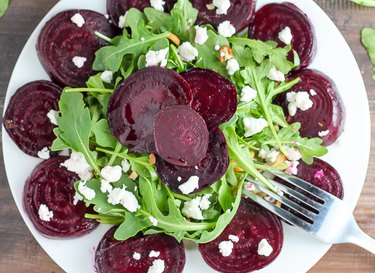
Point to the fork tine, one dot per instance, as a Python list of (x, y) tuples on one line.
[(308, 187)]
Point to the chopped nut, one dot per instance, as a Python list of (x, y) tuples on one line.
[(278, 204), (280, 160), (252, 154), (225, 53), (152, 159), (238, 170), (174, 39), (133, 175), (210, 6)]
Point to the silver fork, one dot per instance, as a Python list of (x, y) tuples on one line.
[(323, 215)]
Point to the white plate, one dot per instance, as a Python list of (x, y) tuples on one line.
[(300, 251)]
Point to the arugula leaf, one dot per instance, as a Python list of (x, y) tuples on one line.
[(130, 227), (3, 7), (103, 135), (184, 16), (159, 21), (368, 41), (367, 3)]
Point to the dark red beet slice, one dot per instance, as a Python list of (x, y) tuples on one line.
[(214, 96), (181, 136), (209, 170), (114, 256), (26, 118), (61, 40), (138, 99), (326, 117), (53, 186), (273, 18), (240, 13), (251, 224), (117, 8)]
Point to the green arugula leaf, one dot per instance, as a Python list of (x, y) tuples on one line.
[(368, 41), (3, 7), (159, 21), (103, 135), (131, 227), (184, 15), (367, 3)]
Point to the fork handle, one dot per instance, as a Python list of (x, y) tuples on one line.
[(358, 237)]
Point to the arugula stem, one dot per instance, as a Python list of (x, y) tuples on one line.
[(113, 157), (263, 167), (122, 155), (282, 88), (102, 36), (177, 195), (105, 219), (93, 90)]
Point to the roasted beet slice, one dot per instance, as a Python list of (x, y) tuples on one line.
[(252, 224), (239, 14), (181, 136), (61, 41), (271, 19), (52, 186), (326, 117), (214, 96), (133, 255), (209, 170), (138, 99), (26, 118), (117, 8)]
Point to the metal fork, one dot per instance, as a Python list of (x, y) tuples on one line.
[(323, 215)]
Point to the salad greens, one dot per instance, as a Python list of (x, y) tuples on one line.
[(83, 126), (368, 41), (367, 3), (3, 7)]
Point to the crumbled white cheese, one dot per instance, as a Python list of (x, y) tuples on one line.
[(122, 20), (192, 209), (233, 238), (136, 256), (44, 213), (105, 186), (292, 168), (222, 6), (201, 35), (190, 185), (226, 248), (76, 198), (157, 266), (78, 20), (158, 57), (179, 178), (226, 29), (123, 197), (286, 36), (157, 4), (79, 61), (52, 115), (111, 173), (232, 66), (248, 94), (299, 100), (276, 75), (107, 76), (87, 192), (253, 126), (154, 254), (269, 156), (65, 152), (217, 47), (106, 16), (187, 52), (312, 92), (143, 39), (205, 203), (153, 220), (44, 153), (293, 153), (321, 134), (264, 248), (78, 164), (125, 165)]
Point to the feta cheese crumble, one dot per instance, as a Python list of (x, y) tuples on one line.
[(179, 178), (52, 115), (293, 153), (44, 213), (226, 29), (158, 57), (125, 165), (205, 203), (126, 198), (286, 36), (78, 164), (105, 186), (157, 266), (269, 156), (323, 133), (107, 76), (44, 153), (298, 100), (248, 94), (193, 208), (136, 256), (154, 254), (264, 248), (187, 52), (222, 6), (122, 20), (201, 35), (233, 238), (157, 4), (292, 168), (79, 61), (78, 20), (312, 92), (276, 75), (87, 192), (254, 125), (153, 220), (76, 198), (111, 173), (190, 185), (232, 66), (226, 248)]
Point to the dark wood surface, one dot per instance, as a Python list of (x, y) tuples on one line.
[(19, 252)]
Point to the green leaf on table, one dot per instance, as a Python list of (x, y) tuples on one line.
[(368, 41), (366, 3), (3, 7)]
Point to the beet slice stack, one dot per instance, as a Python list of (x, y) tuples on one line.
[(251, 225), (61, 40), (52, 185), (133, 255), (273, 18), (26, 118), (326, 117)]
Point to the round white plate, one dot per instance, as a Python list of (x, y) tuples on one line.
[(300, 251)]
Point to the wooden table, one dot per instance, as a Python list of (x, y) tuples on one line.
[(19, 252)]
